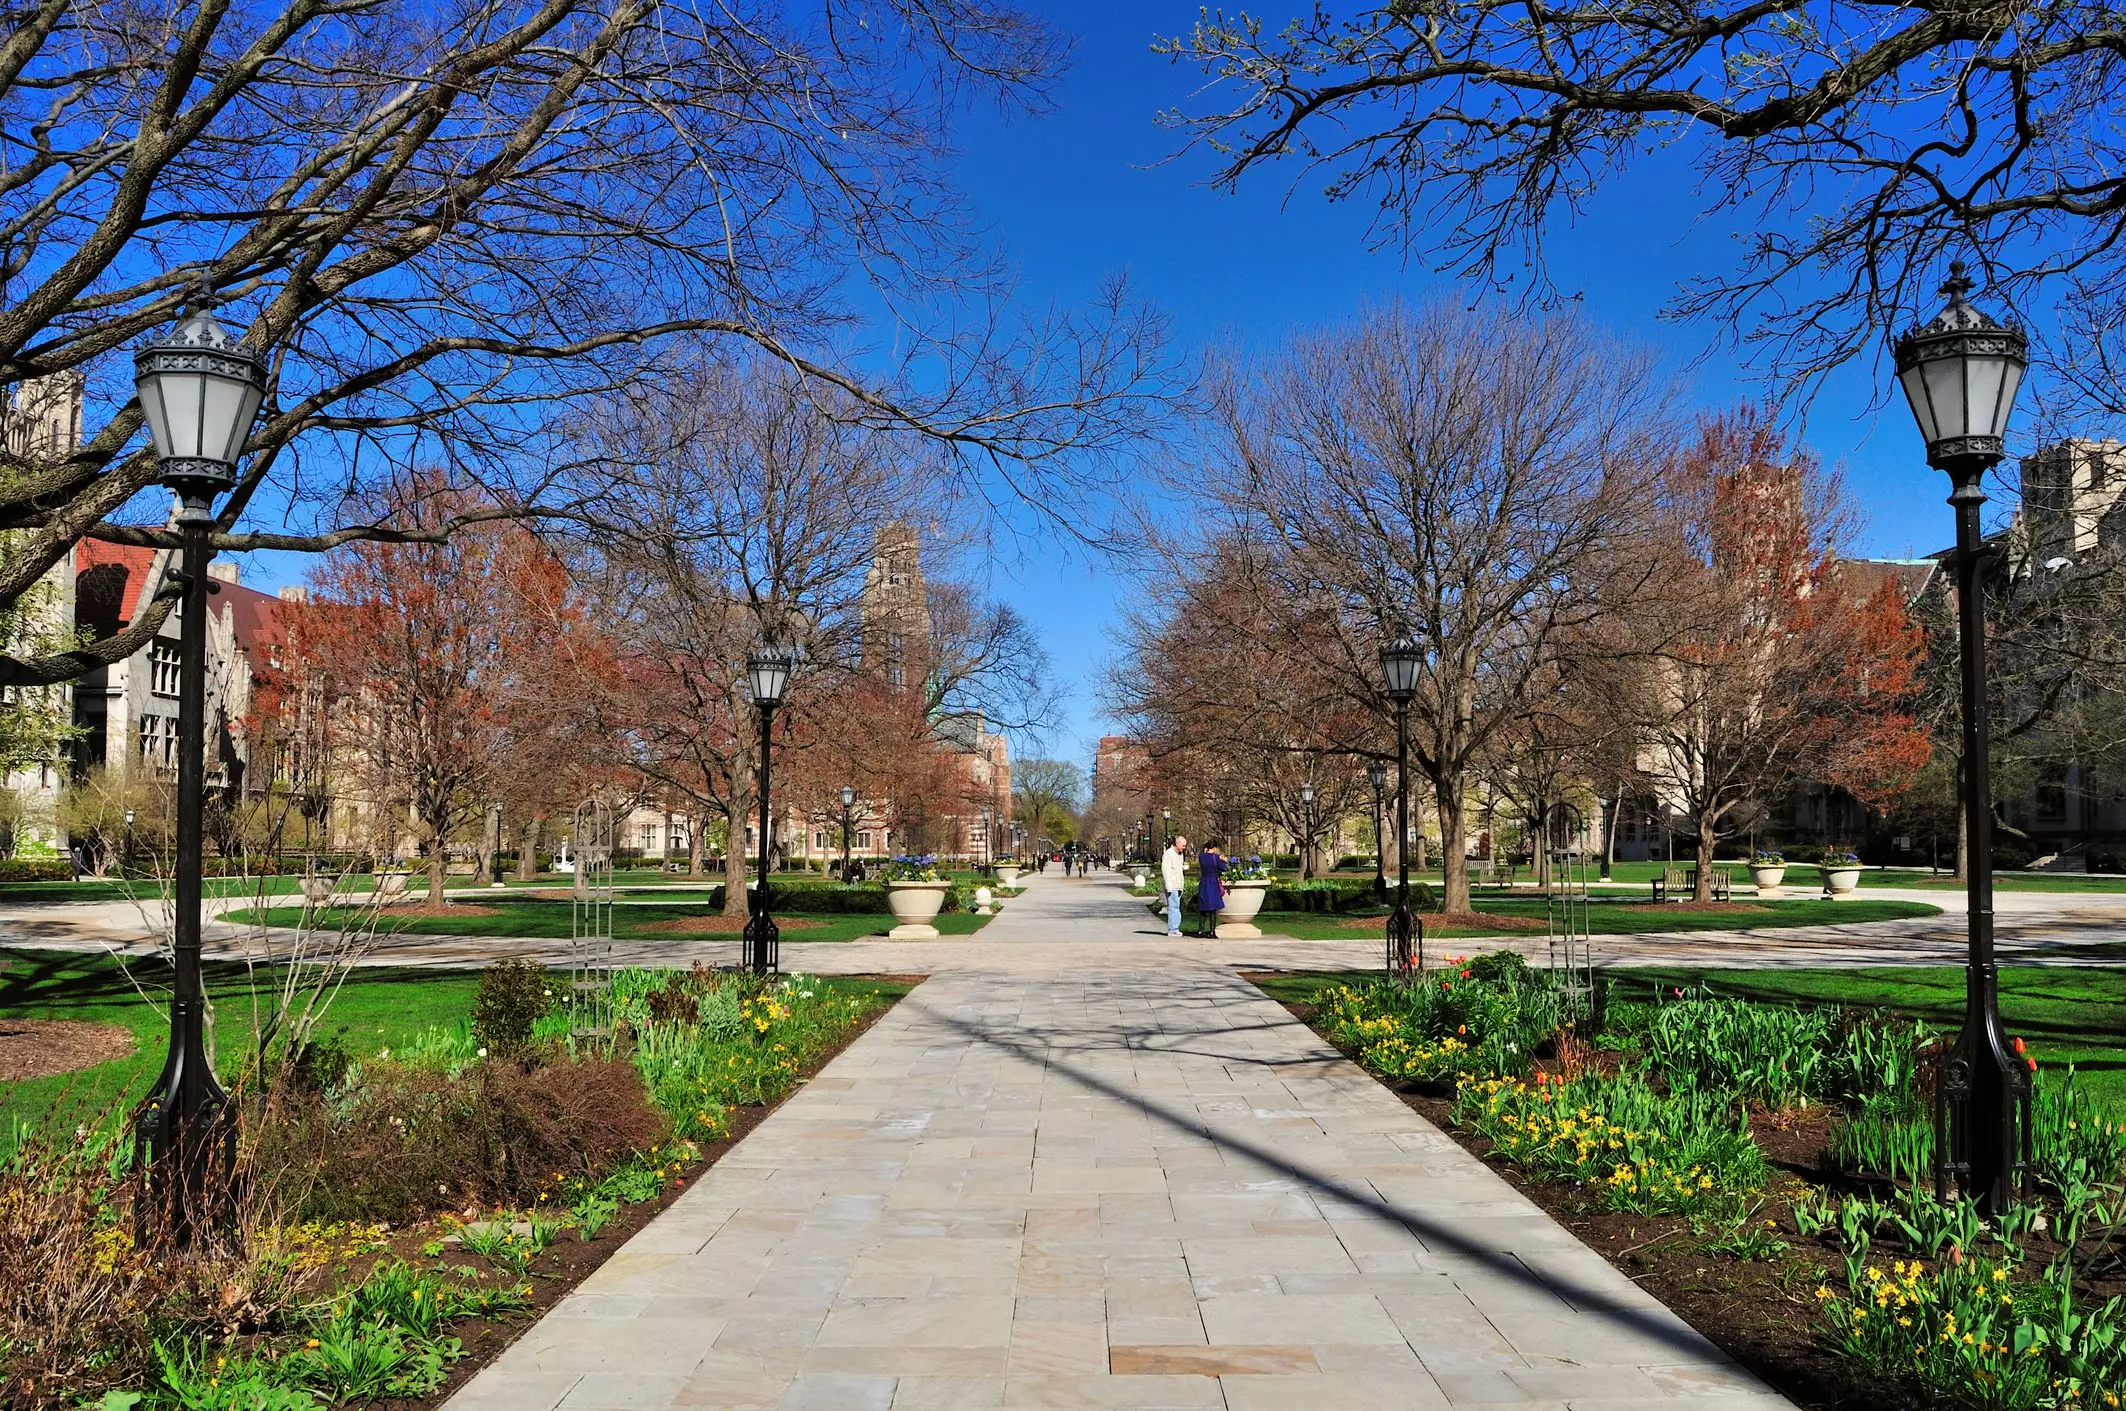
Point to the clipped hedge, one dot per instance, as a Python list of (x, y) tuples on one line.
[(1341, 894), (27, 869)]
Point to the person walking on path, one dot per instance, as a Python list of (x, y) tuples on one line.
[(1210, 885), (1173, 870)]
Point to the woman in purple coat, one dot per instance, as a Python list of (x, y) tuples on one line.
[(1210, 888)]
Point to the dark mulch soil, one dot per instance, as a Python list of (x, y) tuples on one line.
[(569, 1261), (38, 1048), (719, 925)]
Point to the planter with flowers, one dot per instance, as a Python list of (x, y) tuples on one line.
[(1247, 880), (1841, 873), (916, 893), (1768, 870), (1008, 873)]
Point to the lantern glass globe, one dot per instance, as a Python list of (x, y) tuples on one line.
[(768, 674), (1960, 373)]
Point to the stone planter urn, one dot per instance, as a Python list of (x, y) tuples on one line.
[(318, 890), (391, 886), (1243, 901), (1841, 880), (1768, 876), (1008, 873), (915, 905)]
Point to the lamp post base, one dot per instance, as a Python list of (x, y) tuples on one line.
[(1982, 1116), (761, 948)]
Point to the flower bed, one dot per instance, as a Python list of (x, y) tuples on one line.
[(393, 1208), (1667, 1124)]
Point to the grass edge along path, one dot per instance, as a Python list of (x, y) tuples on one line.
[(1524, 916), (633, 921)]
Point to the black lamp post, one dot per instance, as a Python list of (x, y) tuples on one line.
[(1377, 776), (199, 392), (767, 676), (848, 802), (125, 868), (1307, 795), (1399, 663), (1960, 373)]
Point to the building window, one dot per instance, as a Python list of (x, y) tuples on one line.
[(163, 668), (649, 836), (863, 839)]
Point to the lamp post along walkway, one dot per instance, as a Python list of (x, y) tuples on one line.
[(767, 677), (1960, 373), (199, 392)]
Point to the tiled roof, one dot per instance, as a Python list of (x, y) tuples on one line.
[(109, 579), (1868, 575)]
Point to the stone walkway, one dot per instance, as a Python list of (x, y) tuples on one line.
[(1099, 1187)]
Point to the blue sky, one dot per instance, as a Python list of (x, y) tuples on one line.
[(1084, 191)]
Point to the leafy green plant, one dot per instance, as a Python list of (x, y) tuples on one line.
[(196, 1378), (513, 995), (592, 1213), (1886, 1137), (1750, 1238), (2068, 1133), (1814, 1213)]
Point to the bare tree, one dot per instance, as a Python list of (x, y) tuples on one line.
[(1853, 147), (1480, 481), (1047, 795), (448, 229), (749, 512)]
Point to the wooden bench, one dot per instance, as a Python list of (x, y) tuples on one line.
[(1669, 885), (1498, 875), (1723, 886)]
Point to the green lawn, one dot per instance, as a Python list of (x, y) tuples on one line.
[(632, 921), (2067, 1014), (1612, 917), (1805, 876), (375, 1007)]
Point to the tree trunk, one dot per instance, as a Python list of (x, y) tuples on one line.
[(697, 829), (438, 861), (734, 861), (1417, 843), (1454, 854), (528, 848), (1609, 836), (1963, 841), (1703, 890)]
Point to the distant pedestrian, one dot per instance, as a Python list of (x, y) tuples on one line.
[(1210, 886), (1173, 871)]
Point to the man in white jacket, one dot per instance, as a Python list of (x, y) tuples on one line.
[(1173, 869)]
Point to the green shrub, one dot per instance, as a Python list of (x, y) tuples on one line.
[(21, 869), (513, 996)]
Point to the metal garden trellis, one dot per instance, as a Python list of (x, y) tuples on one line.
[(594, 832)]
